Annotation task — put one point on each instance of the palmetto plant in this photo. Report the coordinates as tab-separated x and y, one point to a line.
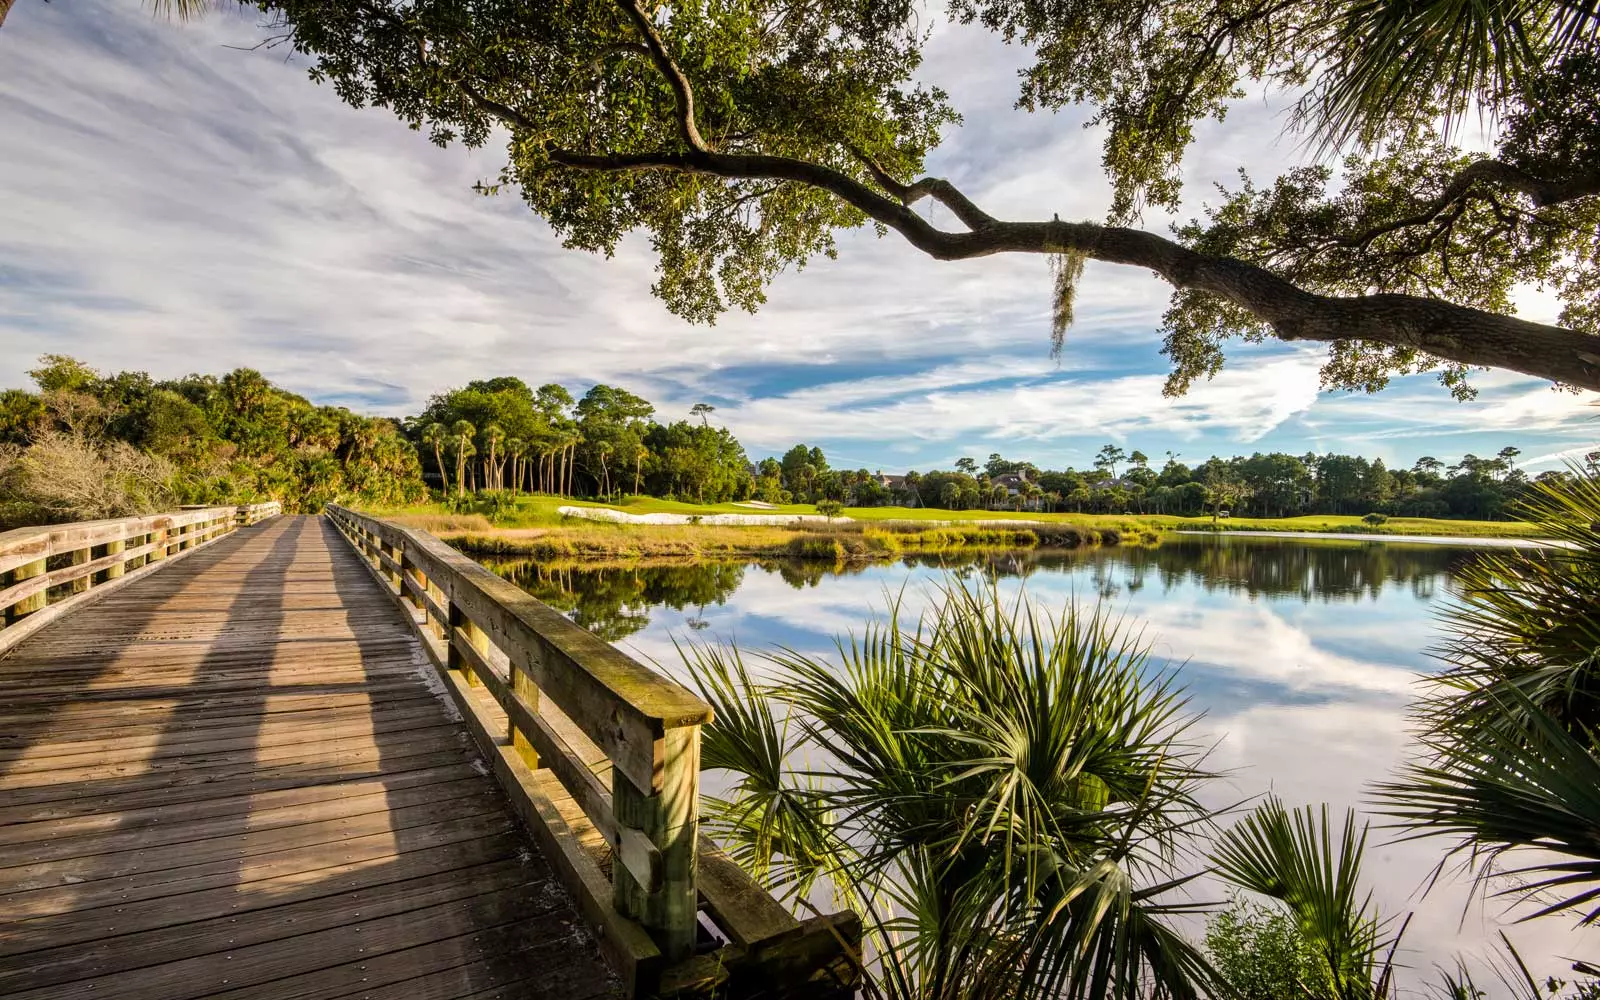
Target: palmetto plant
1508	755
1296	858
1528	620
1006	797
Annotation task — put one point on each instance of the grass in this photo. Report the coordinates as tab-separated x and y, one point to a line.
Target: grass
540	512
535	530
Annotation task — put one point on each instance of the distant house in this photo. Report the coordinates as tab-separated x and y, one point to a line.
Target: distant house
1012	481
891	482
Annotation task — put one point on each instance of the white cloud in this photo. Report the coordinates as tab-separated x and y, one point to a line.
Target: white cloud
1245	403
175	205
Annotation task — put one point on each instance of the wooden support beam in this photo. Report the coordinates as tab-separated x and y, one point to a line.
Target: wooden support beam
117	567
670	818
34	602
81	558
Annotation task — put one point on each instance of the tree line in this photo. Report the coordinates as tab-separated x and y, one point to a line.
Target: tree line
1275	484
85	444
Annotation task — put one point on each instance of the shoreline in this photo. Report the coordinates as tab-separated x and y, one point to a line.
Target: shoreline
833	542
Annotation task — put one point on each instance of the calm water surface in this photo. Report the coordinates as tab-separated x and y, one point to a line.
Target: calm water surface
1303	655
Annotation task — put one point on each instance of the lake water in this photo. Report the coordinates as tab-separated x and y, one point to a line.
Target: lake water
1302	653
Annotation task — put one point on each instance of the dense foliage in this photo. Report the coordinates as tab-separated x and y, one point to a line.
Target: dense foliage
1003	795
500	434
88	444
741	138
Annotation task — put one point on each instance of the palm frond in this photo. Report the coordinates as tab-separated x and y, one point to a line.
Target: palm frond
1005	794
1295	858
1405	58
1526	784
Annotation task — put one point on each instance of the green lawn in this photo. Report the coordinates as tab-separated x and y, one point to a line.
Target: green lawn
540	511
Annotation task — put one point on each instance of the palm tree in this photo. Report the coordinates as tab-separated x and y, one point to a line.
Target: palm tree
1509	758
999	793
463	432
493	434
435	435
603	449
183	10
515	449
1294	857
640	453
1413	60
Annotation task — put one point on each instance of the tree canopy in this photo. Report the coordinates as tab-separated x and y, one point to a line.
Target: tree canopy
743	137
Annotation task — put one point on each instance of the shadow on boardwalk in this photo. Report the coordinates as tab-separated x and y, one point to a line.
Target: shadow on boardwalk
230	779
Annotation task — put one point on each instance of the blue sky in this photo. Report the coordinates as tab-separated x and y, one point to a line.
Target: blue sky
172	201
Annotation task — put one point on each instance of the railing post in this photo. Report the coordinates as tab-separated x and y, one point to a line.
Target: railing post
462	626
392	575
671	819
417	577
523	687
79	557
158	543
28	605
116	569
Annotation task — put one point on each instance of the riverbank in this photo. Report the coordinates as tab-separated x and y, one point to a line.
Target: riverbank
829	542
557	529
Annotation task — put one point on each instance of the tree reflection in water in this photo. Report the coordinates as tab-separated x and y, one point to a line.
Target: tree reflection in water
614	601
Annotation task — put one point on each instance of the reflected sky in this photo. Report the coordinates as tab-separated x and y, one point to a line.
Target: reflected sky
1302	654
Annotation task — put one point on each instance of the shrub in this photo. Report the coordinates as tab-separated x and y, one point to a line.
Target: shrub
1262	954
1376	519
830	509
66	477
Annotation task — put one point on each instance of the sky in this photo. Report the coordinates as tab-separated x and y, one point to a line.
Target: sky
174	200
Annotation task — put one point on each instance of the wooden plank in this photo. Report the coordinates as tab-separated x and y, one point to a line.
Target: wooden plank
74	927
180	825
170	860
305	773
127	952
293	867
211	773
250	969
66	829
533	959
172	735
442	733
745	911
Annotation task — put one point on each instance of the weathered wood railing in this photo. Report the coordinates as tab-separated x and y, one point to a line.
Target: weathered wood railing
48	570
601	757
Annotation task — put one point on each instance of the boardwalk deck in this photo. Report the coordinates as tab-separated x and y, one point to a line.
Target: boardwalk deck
231	779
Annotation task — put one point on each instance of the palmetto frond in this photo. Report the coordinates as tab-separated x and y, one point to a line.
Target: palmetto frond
1004	794
1508	755
1528	783
183	10
1295	858
1405	56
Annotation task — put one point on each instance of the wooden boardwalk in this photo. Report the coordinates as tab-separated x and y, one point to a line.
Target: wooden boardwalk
231	778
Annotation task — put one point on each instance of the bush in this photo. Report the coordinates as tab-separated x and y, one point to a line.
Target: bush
1376	519
66	477
830	509
1261	953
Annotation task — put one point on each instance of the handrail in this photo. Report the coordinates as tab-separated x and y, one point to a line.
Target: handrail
46	571
601	756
